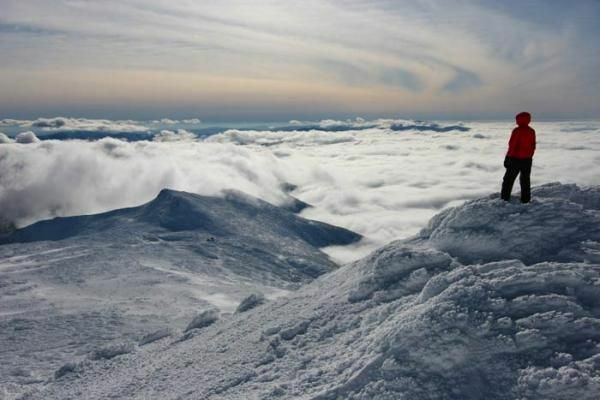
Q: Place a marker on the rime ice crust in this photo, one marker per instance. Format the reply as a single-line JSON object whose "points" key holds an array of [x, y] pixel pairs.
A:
{"points": [[418, 319], [561, 224]]}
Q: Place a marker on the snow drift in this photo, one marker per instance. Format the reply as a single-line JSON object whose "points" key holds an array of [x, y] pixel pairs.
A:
{"points": [[491, 300]]}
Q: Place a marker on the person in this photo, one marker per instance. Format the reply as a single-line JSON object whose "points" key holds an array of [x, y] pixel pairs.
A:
{"points": [[519, 158]]}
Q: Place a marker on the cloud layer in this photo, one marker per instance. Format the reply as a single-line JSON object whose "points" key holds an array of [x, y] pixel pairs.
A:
{"points": [[61, 124], [4, 138], [377, 181], [26, 137]]}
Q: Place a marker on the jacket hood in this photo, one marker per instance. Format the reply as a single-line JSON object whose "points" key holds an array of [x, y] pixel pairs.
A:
{"points": [[523, 119]]}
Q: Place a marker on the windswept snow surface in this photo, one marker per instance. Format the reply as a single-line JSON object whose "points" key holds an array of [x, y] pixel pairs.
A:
{"points": [[491, 300], [70, 286]]}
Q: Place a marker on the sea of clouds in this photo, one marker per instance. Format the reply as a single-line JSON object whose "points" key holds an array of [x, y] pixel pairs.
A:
{"points": [[381, 178]]}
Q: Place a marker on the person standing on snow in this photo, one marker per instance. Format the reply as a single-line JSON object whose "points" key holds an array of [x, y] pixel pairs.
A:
{"points": [[519, 158]]}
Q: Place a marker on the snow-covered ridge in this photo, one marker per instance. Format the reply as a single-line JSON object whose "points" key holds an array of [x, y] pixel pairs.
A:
{"points": [[234, 214], [425, 318]]}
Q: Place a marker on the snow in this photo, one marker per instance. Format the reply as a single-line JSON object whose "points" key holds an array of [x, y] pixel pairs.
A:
{"points": [[155, 336], [69, 287], [68, 368], [421, 318], [250, 302], [112, 351], [477, 232], [204, 319]]}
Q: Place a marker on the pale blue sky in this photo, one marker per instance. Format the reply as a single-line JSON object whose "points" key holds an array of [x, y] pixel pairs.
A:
{"points": [[277, 60]]}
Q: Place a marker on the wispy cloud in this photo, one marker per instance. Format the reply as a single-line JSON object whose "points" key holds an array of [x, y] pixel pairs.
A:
{"points": [[463, 80], [375, 56]]}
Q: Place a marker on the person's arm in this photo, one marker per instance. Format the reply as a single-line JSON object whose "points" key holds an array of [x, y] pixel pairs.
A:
{"points": [[512, 148], [512, 144], [534, 141]]}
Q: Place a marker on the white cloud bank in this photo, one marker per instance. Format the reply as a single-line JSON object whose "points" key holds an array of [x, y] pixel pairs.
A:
{"points": [[174, 136], [4, 138], [192, 121], [62, 124], [14, 122], [169, 121], [379, 182], [27, 137], [75, 177]]}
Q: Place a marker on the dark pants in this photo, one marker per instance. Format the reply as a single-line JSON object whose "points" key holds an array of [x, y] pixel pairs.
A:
{"points": [[514, 167]]}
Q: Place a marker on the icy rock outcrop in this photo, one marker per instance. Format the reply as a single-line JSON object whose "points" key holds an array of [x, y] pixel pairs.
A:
{"points": [[397, 270], [558, 225], [204, 319], [291, 332], [69, 368], [155, 336], [562, 383], [587, 197], [486, 328], [112, 351], [251, 301]]}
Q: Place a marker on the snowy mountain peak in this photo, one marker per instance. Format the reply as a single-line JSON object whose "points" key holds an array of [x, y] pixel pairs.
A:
{"points": [[179, 211], [234, 213]]}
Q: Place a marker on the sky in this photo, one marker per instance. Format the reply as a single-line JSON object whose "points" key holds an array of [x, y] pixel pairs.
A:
{"points": [[266, 60]]}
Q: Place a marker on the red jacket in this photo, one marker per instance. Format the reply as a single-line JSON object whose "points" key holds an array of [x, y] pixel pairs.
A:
{"points": [[522, 140]]}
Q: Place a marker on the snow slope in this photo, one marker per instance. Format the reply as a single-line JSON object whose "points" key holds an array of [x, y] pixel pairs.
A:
{"points": [[69, 286], [491, 300]]}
